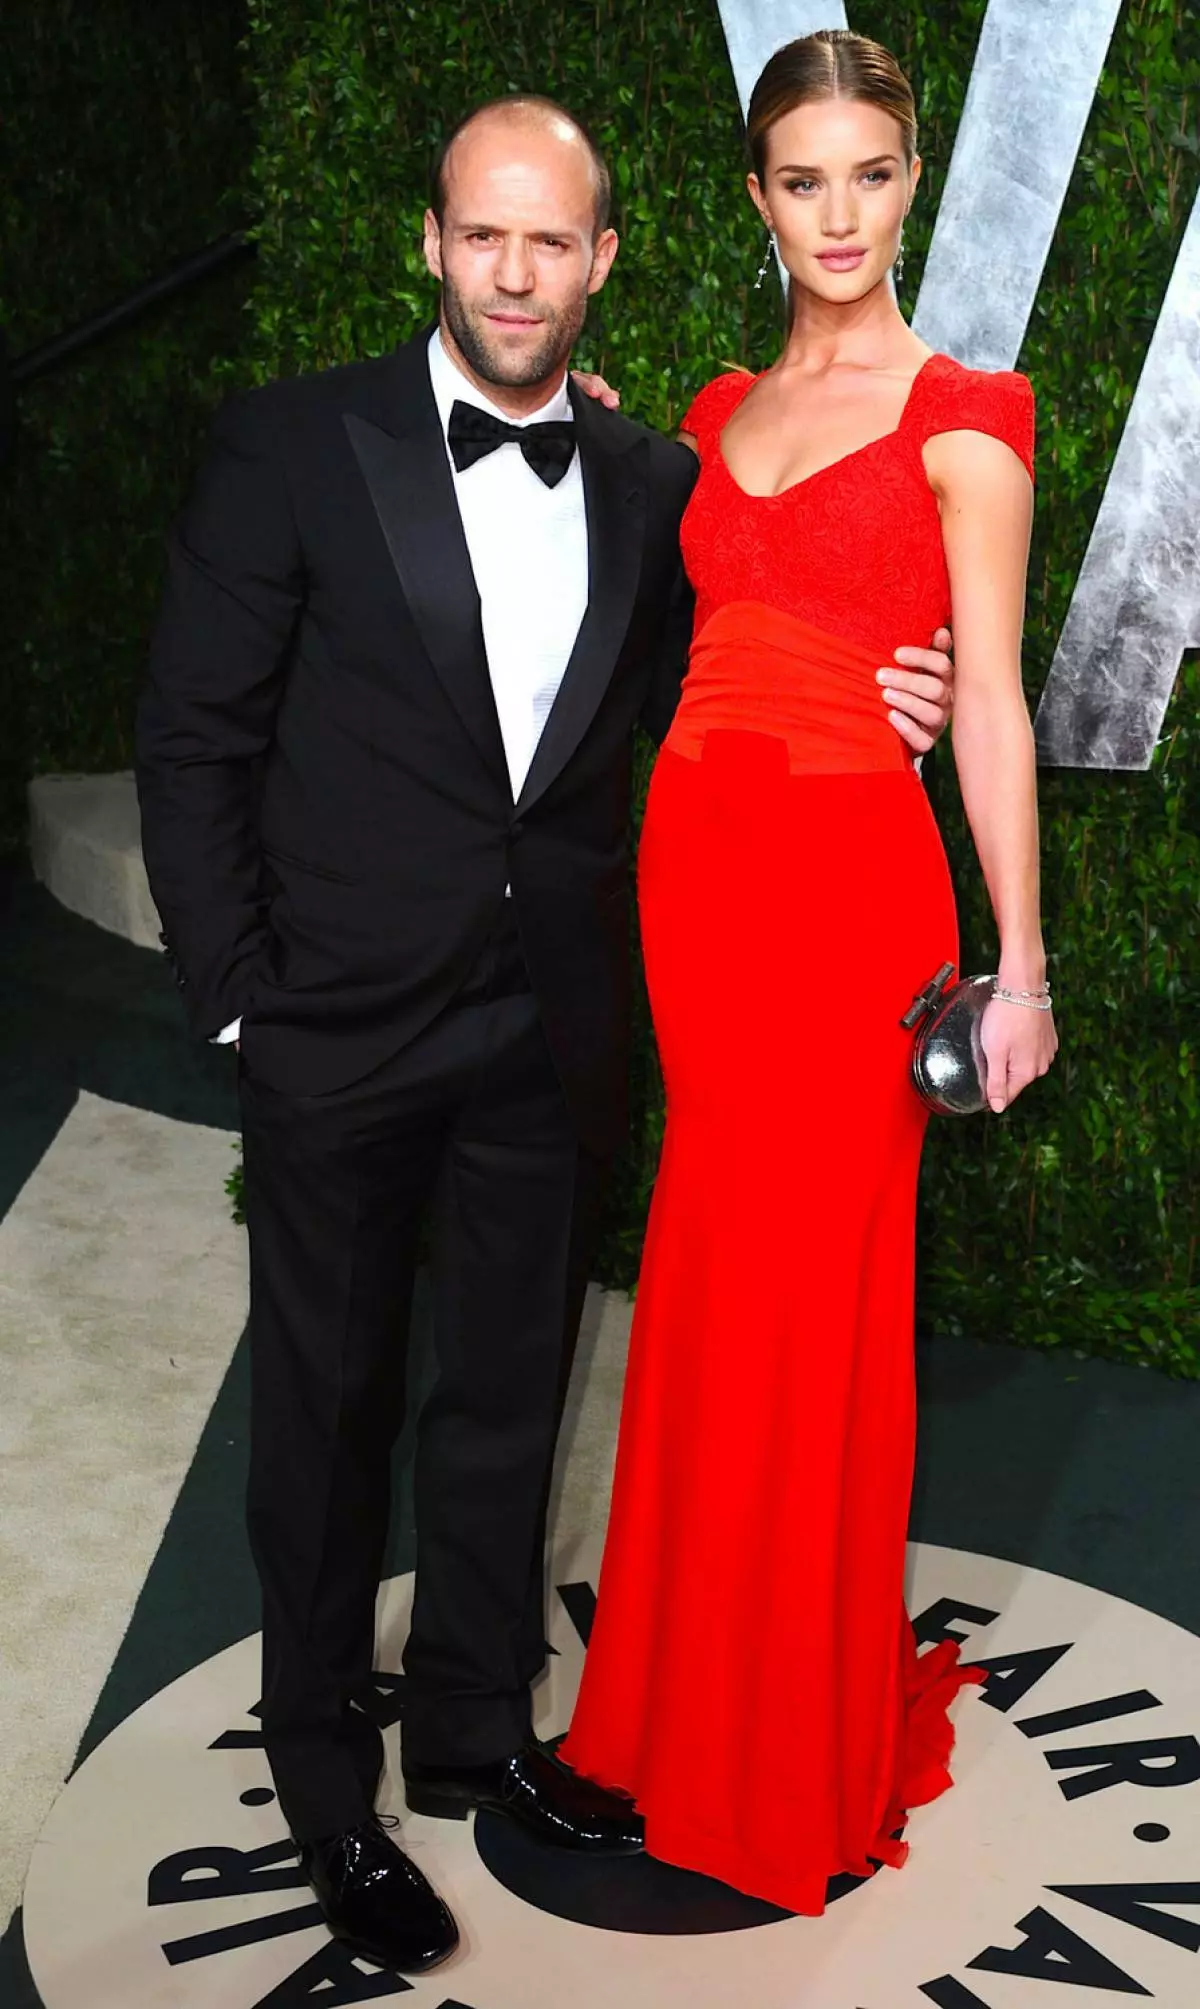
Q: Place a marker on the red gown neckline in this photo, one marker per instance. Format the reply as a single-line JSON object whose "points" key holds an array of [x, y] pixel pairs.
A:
{"points": [[779, 495]]}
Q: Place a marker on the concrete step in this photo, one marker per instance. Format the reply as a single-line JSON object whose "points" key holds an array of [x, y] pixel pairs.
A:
{"points": [[85, 843]]}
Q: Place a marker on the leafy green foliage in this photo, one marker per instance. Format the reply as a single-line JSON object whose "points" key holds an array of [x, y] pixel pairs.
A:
{"points": [[354, 100], [123, 140], [1073, 1220]]}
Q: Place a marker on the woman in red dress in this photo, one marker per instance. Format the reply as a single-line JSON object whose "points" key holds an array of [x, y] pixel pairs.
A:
{"points": [[752, 1678]]}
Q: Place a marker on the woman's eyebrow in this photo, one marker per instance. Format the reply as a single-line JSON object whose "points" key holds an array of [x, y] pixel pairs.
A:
{"points": [[876, 160]]}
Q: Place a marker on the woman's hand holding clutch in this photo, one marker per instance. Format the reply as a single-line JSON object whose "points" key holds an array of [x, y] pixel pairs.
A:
{"points": [[1019, 1041]]}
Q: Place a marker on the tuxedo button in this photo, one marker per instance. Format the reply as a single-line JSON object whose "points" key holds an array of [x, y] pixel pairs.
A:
{"points": [[517, 830]]}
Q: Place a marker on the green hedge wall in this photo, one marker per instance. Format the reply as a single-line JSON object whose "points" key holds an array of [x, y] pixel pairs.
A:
{"points": [[1073, 1221], [124, 146]]}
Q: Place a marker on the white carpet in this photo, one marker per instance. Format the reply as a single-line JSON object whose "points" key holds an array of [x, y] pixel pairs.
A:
{"points": [[122, 1295], [587, 1444]]}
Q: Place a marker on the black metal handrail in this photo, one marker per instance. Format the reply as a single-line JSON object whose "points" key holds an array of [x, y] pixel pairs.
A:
{"points": [[36, 362]]}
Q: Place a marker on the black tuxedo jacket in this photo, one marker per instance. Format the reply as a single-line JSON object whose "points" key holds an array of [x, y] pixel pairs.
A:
{"points": [[327, 817]]}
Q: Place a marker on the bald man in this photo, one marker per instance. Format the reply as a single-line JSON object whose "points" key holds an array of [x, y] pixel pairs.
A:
{"points": [[415, 609]]}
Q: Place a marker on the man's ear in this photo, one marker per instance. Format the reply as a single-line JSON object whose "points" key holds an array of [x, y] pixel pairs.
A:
{"points": [[433, 244], [604, 250]]}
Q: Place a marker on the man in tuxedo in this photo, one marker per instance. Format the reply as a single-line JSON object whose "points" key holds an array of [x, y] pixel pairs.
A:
{"points": [[415, 608]]}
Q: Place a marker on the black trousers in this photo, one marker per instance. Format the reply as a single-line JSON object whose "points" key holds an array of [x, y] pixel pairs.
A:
{"points": [[469, 1121]]}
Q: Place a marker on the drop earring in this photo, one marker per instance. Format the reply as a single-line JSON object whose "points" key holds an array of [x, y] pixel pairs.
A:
{"points": [[898, 266], [765, 267]]}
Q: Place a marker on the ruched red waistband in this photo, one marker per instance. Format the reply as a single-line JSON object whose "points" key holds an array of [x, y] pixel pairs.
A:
{"points": [[756, 669]]}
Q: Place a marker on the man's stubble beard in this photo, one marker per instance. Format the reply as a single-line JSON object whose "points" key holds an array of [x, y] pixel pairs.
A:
{"points": [[561, 328]]}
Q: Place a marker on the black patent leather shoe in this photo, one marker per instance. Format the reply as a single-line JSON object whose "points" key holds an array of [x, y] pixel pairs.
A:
{"points": [[377, 1901], [531, 1787]]}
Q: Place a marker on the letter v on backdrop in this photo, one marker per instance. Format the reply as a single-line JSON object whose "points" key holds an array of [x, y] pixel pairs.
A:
{"points": [[1136, 605]]}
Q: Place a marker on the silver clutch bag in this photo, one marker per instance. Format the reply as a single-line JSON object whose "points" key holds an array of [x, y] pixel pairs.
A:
{"points": [[949, 1067]]}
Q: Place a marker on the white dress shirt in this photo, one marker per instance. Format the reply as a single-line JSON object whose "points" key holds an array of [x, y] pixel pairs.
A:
{"points": [[528, 549]]}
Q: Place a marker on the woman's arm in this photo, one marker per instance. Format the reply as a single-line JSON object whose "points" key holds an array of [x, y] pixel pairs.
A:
{"points": [[986, 502]]}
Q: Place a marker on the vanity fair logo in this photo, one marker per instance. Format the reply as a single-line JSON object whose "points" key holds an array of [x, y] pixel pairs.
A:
{"points": [[1068, 1852], [1136, 605]]}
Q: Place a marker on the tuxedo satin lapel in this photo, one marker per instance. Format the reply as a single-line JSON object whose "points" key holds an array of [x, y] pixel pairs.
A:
{"points": [[614, 489], [408, 476]]}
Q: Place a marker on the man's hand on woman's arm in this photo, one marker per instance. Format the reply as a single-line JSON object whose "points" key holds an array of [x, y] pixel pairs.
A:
{"points": [[919, 692]]}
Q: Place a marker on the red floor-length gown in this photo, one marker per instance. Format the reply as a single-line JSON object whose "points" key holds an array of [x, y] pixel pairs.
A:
{"points": [[752, 1677]]}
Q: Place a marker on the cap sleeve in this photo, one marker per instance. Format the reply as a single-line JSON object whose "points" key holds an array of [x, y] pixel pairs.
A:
{"points": [[999, 402], [710, 408]]}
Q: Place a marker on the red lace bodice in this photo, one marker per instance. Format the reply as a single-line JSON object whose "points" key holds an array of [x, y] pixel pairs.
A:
{"points": [[856, 548]]}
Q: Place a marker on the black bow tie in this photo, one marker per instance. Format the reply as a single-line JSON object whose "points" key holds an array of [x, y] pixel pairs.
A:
{"points": [[547, 447]]}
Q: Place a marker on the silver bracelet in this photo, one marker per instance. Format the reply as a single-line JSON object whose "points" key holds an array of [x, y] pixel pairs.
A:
{"points": [[1032, 1000]]}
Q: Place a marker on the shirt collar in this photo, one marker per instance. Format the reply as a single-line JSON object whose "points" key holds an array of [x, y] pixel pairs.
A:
{"points": [[449, 383]]}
